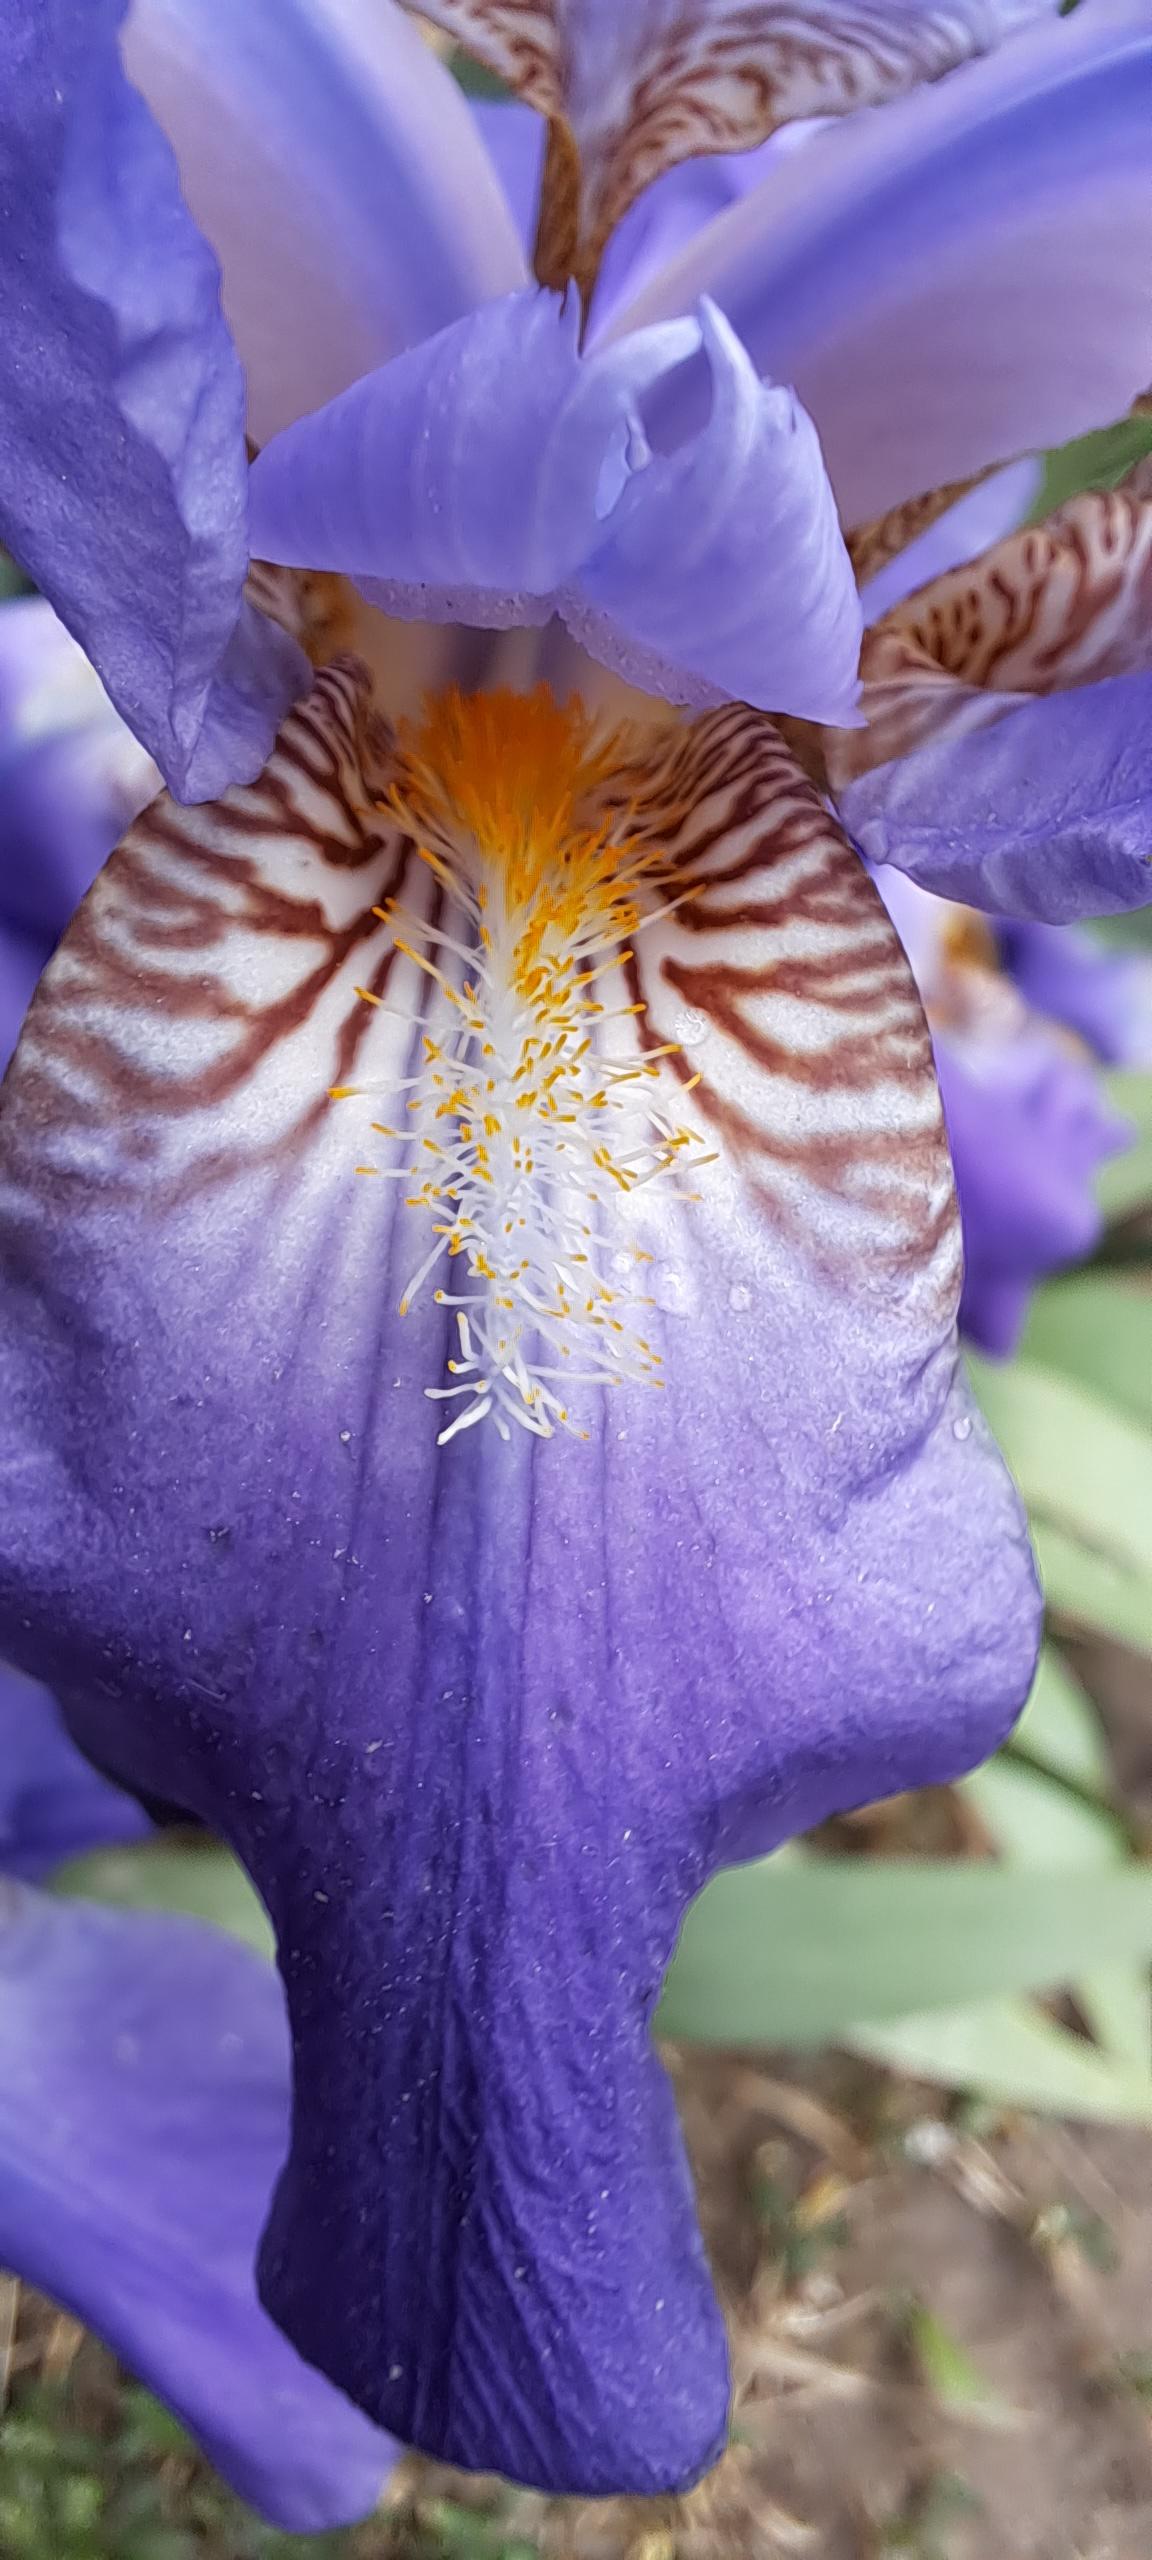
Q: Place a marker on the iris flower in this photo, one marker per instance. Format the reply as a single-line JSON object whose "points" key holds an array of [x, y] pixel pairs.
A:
{"points": [[496, 1497], [143, 2104]]}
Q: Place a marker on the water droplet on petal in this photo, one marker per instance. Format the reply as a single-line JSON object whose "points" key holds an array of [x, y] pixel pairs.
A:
{"points": [[962, 1430]]}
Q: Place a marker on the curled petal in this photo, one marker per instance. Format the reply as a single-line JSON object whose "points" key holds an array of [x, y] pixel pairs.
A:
{"points": [[960, 278], [494, 476], [631, 94], [143, 2103], [122, 406], [335, 168], [481, 1716], [53, 1806]]}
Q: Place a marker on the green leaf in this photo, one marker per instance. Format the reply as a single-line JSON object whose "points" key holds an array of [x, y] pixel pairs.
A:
{"points": [[806, 1953], [1038, 1822], [1097, 1329], [198, 1877], [949, 2372], [1095, 461], [1091, 1588], [1061, 1729], [1080, 1464], [1010, 2053]]}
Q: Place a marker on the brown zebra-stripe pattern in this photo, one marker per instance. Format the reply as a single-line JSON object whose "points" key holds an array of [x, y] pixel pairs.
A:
{"points": [[1062, 603], [784, 985], [695, 76], [211, 990]]}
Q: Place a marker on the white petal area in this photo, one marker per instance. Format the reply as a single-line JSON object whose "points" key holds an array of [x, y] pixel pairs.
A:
{"points": [[334, 166], [958, 277]]}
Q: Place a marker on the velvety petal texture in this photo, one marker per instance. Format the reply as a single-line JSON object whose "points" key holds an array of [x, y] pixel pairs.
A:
{"points": [[960, 277], [480, 1716], [494, 475], [334, 166], [143, 2112], [53, 1806], [122, 406], [629, 93]]}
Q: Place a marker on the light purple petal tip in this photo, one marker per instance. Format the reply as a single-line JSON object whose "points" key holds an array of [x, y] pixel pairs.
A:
{"points": [[122, 406]]}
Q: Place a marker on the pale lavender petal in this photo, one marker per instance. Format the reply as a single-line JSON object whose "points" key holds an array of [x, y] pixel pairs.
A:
{"points": [[72, 777], [494, 476], [331, 161], [143, 2117], [122, 406], [1104, 996], [481, 1717], [958, 277], [1046, 813]]}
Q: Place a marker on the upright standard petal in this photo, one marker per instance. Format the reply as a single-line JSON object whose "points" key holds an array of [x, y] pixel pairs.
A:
{"points": [[333, 164], [53, 1806], [630, 93], [122, 406], [143, 2113], [961, 277], [481, 1707], [494, 476]]}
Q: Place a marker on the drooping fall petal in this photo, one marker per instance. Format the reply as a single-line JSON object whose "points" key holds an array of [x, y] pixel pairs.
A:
{"points": [[629, 92], [331, 161], [143, 2112], [481, 1714], [494, 475], [959, 278], [122, 406]]}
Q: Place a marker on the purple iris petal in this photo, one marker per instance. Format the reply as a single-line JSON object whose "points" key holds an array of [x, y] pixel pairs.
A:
{"points": [[72, 777], [143, 2115], [480, 1718], [1028, 1127], [960, 276], [1047, 813], [122, 406], [493, 475], [53, 1806], [22, 957], [1105, 996], [329, 158]]}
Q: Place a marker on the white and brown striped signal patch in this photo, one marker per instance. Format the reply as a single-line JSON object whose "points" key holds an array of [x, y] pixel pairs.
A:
{"points": [[220, 979], [1067, 602]]}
